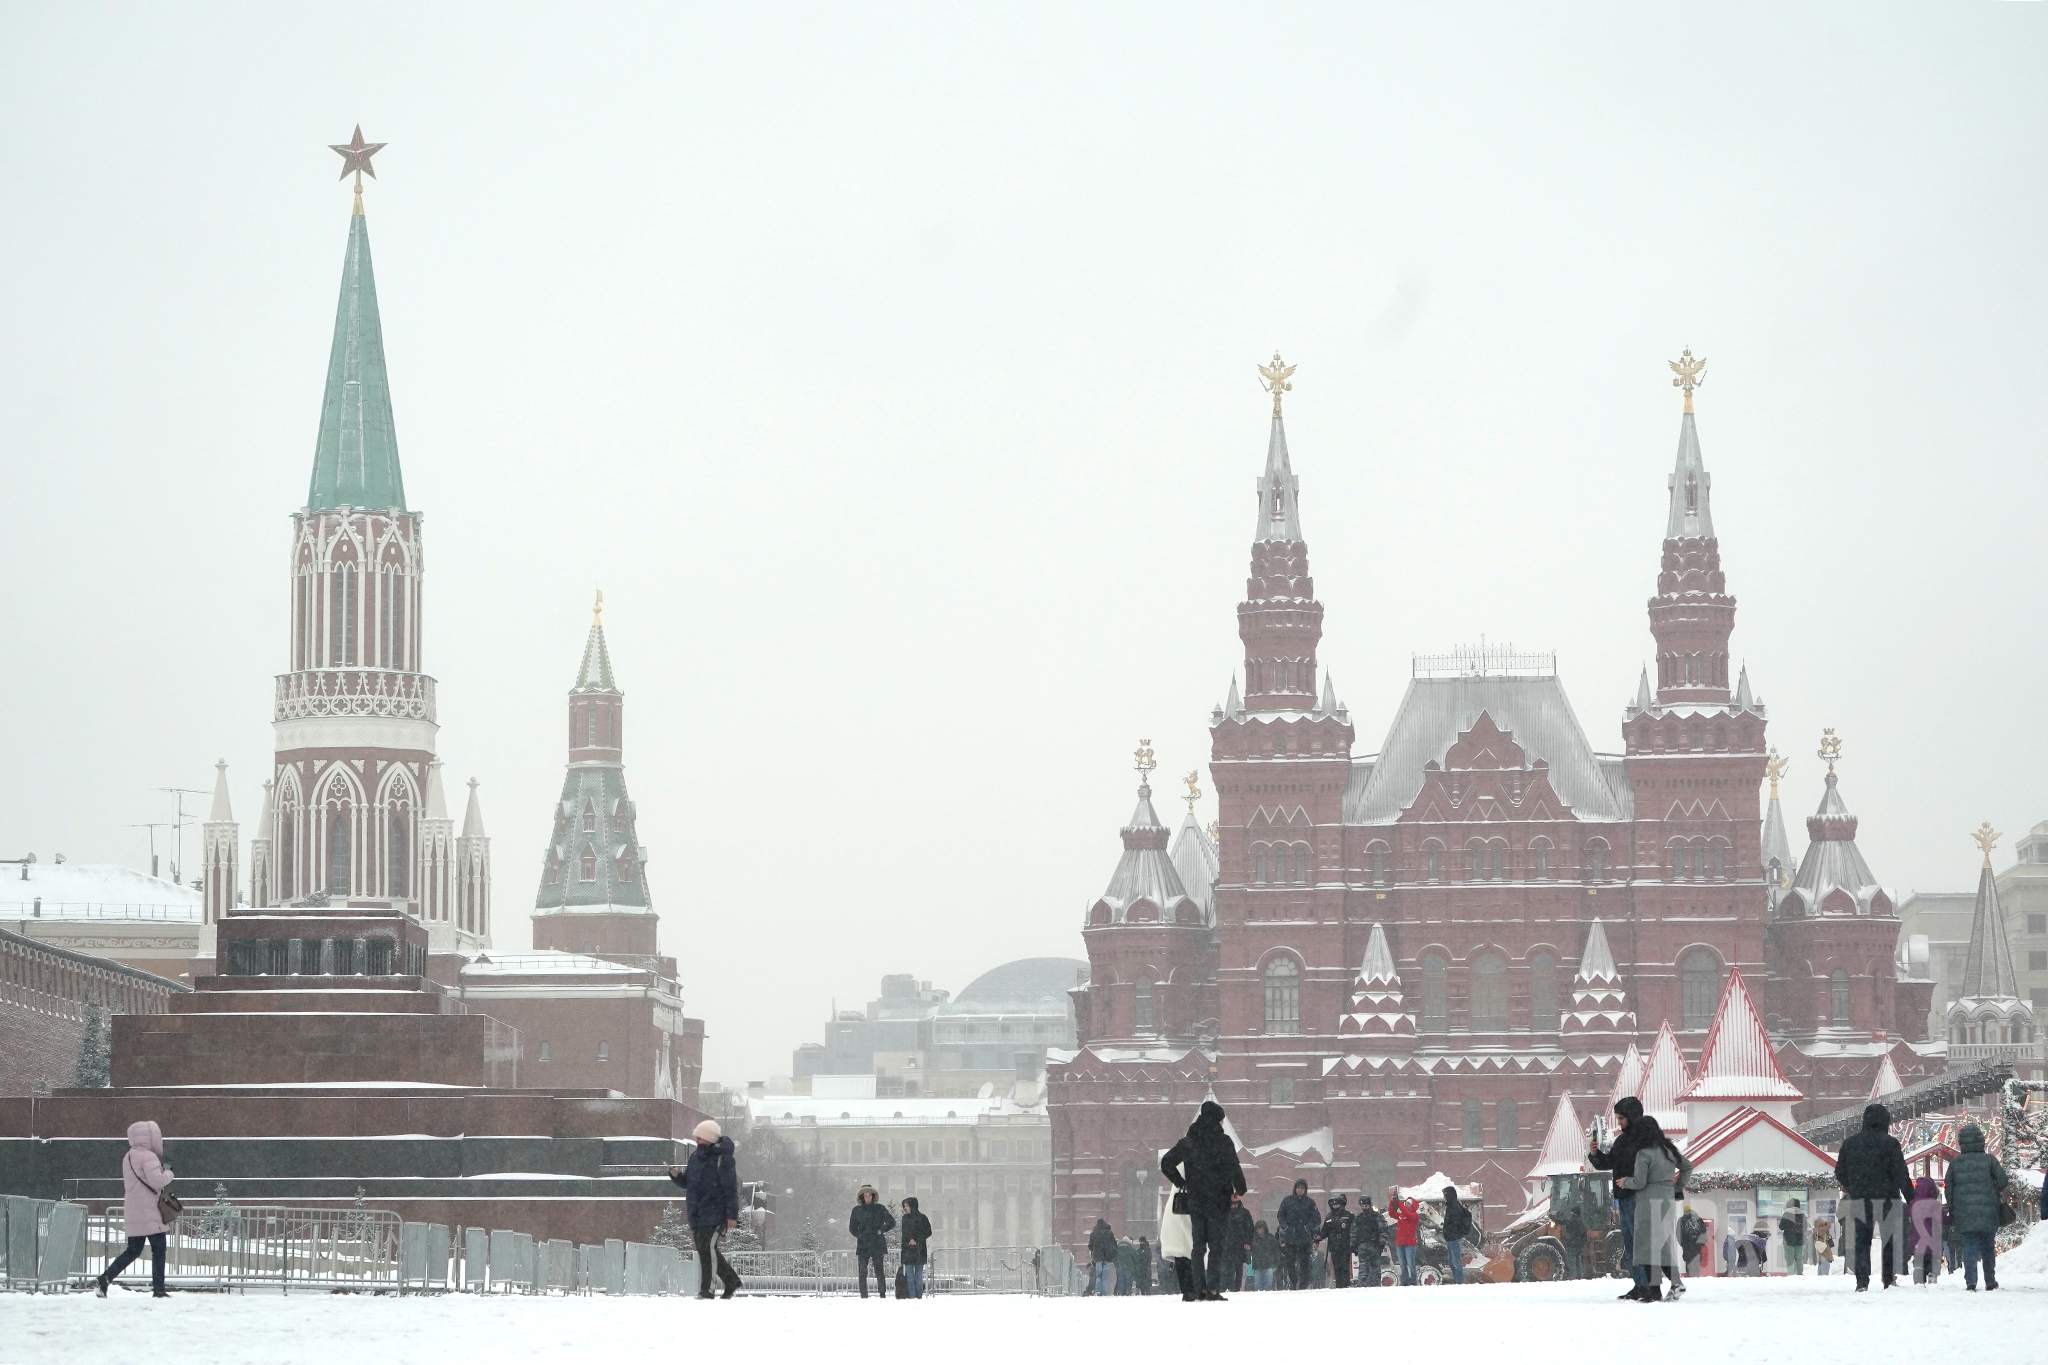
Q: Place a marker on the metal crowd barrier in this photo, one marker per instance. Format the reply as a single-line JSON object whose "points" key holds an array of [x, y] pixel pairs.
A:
{"points": [[53, 1246]]}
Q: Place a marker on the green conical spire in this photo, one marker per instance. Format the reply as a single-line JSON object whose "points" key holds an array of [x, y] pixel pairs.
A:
{"points": [[355, 461]]}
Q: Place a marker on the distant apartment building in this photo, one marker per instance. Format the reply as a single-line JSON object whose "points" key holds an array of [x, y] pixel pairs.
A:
{"points": [[914, 1040], [980, 1167]]}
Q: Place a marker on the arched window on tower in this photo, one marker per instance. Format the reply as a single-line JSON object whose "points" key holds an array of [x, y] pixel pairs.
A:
{"points": [[1543, 1014], [1433, 861], [341, 618], [1539, 859], [1475, 861], [1489, 992], [1376, 855], [589, 815], [1838, 997], [1283, 996], [1436, 995], [1674, 863], [339, 828], [1497, 860], [588, 871], [1258, 864], [1596, 860], [1699, 987], [287, 854], [1141, 1006], [398, 851]]}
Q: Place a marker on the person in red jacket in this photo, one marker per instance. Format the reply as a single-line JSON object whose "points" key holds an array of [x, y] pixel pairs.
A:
{"points": [[1406, 1216]]}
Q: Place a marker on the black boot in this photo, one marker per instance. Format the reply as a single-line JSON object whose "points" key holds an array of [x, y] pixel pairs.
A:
{"points": [[99, 1286]]}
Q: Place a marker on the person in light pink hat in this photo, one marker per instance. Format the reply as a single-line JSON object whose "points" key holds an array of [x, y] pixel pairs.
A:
{"points": [[711, 1197]]}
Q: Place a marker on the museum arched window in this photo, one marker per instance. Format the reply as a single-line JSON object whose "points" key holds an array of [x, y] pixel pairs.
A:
{"points": [[1436, 995], [398, 852], [1489, 992], [1283, 996], [339, 828], [1838, 997], [1141, 1007], [1433, 862], [1699, 987], [1543, 1015]]}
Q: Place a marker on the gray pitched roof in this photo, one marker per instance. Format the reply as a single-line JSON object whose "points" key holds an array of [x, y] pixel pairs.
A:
{"points": [[1987, 970], [1832, 862], [1435, 711], [1195, 861], [1776, 845], [595, 673], [1279, 512], [1146, 872], [1692, 512]]}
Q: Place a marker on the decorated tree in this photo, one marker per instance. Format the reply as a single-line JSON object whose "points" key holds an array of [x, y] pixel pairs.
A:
{"points": [[808, 1260], [219, 1219]]}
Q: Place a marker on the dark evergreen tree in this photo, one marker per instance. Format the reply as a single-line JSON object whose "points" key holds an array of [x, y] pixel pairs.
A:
{"points": [[95, 1052]]}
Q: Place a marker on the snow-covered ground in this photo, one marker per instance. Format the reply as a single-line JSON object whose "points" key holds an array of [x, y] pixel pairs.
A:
{"points": [[1757, 1322]]}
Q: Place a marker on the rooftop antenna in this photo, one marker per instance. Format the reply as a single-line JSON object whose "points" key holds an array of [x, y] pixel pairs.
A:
{"points": [[152, 843], [178, 862]]}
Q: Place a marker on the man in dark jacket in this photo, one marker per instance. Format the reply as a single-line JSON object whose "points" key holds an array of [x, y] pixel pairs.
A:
{"points": [[1692, 1239], [1621, 1159], [1571, 1239], [1458, 1230], [1101, 1256], [870, 1225], [1368, 1241], [916, 1247], [1336, 1233], [1237, 1243], [1976, 1193], [1204, 1164], [1877, 1187], [1792, 1237], [711, 1197], [1299, 1222]]}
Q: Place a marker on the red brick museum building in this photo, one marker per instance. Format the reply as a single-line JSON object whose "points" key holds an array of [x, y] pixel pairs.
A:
{"points": [[1404, 957]]}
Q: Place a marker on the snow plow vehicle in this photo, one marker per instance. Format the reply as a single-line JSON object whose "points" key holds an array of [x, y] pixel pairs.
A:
{"points": [[1532, 1247]]}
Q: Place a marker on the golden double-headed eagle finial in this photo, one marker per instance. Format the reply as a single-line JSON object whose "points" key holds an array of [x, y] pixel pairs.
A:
{"points": [[1774, 769], [1830, 747], [1986, 839], [1274, 379], [1686, 374], [1145, 763]]}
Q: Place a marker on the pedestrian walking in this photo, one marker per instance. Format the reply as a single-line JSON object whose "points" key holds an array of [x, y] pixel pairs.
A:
{"points": [[1300, 1220], [1871, 1169], [1335, 1235], [1237, 1242], [1265, 1257], [1406, 1215], [1368, 1243], [1924, 1231], [1621, 1159], [1976, 1197], [1145, 1258], [1101, 1257], [1823, 1245], [145, 1180], [869, 1225], [1458, 1230], [711, 1199], [1792, 1236], [1203, 1165], [1661, 1170], [1692, 1239], [916, 1244]]}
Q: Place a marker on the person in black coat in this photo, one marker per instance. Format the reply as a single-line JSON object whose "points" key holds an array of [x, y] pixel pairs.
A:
{"points": [[1101, 1256], [711, 1198], [1571, 1239], [1300, 1220], [1336, 1234], [1237, 1243], [1368, 1242], [1621, 1159], [1204, 1165], [870, 1225], [1876, 1188], [916, 1244]]}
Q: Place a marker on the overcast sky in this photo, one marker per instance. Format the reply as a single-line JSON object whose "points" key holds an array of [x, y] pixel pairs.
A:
{"points": [[891, 369]]}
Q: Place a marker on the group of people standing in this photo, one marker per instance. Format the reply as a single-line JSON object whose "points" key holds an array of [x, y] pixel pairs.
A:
{"points": [[1213, 1243], [1662, 1237]]}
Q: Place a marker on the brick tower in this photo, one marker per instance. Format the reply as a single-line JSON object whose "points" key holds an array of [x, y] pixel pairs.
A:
{"points": [[1695, 768], [355, 716]]}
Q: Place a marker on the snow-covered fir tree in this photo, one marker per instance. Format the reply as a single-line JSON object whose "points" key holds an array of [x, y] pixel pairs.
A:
{"points": [[808, 1259], [672, 1229], [219, 1218], [95, 1053]]}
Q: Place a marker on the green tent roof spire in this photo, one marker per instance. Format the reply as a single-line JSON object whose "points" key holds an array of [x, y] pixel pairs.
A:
{"points": [[355, 461]]}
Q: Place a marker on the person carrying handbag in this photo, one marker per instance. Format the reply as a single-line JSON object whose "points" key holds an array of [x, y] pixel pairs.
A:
{"points": [[147, 1206]]}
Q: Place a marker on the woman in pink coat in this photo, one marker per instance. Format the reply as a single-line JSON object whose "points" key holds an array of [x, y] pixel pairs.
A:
{"points": [[143, 1177]]}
